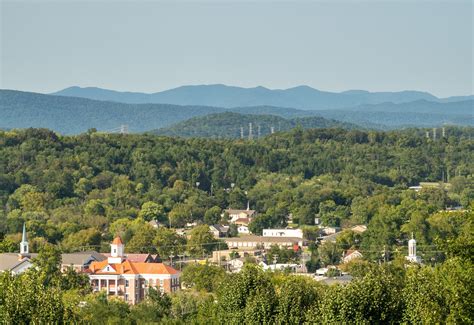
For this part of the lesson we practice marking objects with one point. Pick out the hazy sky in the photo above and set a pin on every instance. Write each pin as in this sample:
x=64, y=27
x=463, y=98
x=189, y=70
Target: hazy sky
x=155, y=45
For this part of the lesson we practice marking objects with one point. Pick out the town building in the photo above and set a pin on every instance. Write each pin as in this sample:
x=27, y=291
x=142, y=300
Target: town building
x=296, y=233
x=219, y=231
x=235, y=214
x=128, y=280
x=252, y=241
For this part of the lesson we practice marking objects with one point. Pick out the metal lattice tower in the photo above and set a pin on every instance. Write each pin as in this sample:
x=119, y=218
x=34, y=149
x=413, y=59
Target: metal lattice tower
x=250, y=131
x=124, y=129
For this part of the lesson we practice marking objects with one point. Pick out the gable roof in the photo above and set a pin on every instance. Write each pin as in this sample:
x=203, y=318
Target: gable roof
x=81, y=258
x=236, y=211
x=242, y=221
x=8, y=261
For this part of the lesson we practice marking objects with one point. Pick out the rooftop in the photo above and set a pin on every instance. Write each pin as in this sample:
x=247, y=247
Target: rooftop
x=128, y=267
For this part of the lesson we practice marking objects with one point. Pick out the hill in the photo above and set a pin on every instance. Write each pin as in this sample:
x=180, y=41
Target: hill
x=228, y=125
x=72, y=115
x=301, y=97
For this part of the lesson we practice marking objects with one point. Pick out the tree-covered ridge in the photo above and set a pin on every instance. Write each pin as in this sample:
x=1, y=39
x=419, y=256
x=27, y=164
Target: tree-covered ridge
x=71, y=115
x=228, y=125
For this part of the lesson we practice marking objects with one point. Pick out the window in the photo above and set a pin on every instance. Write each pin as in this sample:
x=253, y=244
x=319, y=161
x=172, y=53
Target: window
x=126, y=284
x=126, y=297
x=115, y=250
x=161, y=282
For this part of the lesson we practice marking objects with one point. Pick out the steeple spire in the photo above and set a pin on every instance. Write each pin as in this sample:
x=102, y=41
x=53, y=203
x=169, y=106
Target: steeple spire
x=23, y=238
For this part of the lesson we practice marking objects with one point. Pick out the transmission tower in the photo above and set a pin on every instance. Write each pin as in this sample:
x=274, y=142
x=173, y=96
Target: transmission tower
x=241, y=132
x=250, y=131
x=123, y=129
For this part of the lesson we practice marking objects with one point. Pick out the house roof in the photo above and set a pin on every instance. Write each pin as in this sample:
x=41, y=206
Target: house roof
x=352, y=251
x=236, y=211
x=221, y=228
x=81, y=258
x=128, y=267
x=359, y=228
x=331, y=238
x=242, y=221
x=117, y=241
x=9, y=261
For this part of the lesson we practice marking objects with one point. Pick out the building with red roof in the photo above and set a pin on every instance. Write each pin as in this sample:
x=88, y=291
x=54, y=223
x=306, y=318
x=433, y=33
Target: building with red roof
x=128, y=278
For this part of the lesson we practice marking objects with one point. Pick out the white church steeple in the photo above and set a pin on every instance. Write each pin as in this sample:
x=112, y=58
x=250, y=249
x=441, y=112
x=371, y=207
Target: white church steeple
x=24, y=249
x=412, y=257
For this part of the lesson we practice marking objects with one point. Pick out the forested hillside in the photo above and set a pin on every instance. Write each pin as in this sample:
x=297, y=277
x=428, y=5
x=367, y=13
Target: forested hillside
x=70, y=115
x=228, y=125
x=91, y=183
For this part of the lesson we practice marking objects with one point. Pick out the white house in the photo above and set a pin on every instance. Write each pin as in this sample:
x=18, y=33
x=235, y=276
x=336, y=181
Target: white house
x=243, y=230
x=295, y=233
x=350, y=255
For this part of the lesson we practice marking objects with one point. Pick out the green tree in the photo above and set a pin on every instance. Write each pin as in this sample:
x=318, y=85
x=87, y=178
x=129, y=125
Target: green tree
x=203, y=277
x=152, y=211
x=201, y=241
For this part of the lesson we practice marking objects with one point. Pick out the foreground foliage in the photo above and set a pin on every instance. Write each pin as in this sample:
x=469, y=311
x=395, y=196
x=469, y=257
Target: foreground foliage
x=383, y=294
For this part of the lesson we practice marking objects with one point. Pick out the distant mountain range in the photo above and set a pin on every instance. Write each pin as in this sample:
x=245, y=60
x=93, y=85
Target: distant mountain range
x=301, y=97
x=229, y=124
x=72, y=115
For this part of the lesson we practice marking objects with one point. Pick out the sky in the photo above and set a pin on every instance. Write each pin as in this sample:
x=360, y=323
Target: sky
x=151, y=46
